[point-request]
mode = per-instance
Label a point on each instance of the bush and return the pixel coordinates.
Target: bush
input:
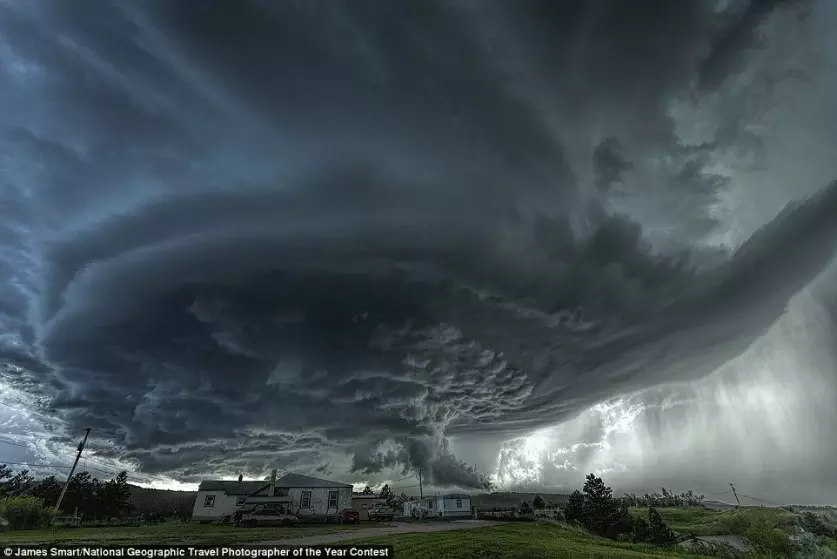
(640, 532)
(814, 524)
(761, 530)
(24, 513)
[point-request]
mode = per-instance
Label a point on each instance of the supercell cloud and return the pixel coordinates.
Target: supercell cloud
(337, 236)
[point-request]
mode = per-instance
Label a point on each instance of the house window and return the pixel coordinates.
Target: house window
(305, 501)
(459, 503)
(333, 497)
(239, 501)
(209, 501)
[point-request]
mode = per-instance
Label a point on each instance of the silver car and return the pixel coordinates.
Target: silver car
(268, 517)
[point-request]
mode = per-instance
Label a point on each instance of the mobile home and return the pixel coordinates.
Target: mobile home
(449, 505)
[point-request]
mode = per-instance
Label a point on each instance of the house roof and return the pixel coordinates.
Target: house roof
(307, 482)
(285, 482)
(232, 487)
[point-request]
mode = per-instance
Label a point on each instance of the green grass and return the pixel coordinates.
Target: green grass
(761, 526)
(170, 534)
(519, 540)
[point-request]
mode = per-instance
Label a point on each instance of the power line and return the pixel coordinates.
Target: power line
(14, 443)
(85, 465)
(761, 500)
(115, 469)
(111, 472)
(34, 465)
(27, 412)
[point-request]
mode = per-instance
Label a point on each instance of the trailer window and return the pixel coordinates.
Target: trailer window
(209, 501)
(459, 503)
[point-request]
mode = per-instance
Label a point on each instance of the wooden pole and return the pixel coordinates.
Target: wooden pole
(72, 470)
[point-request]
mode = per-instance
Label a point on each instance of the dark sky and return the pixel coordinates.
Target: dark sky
(359, 238)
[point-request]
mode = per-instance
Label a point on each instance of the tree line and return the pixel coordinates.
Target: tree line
(665, 499)
(90, 497)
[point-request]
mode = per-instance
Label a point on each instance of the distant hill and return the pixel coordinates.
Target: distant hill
(507, 500)
(162, 501)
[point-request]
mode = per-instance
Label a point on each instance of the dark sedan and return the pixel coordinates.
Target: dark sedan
(349, 516)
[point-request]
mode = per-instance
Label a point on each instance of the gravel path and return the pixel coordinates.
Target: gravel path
(393, 528)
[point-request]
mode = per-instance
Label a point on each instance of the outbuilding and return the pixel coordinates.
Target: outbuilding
(362, 502)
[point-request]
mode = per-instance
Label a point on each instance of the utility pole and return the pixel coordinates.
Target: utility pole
(421, 492)
(72, 470)
(736, 494)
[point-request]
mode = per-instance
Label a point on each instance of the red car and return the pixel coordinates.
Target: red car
(349, 516)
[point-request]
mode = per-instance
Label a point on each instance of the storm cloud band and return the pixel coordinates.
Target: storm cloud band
(351, 230)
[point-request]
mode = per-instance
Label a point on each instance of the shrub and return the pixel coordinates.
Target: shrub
(814, 524)
(807, 547)
(640, 531)
(24, 513)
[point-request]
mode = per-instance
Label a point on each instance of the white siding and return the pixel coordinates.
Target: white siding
(448, 507)
(223, 504)
(318, 505)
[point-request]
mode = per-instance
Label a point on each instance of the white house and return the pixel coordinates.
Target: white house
(307, 497)
(450, 505)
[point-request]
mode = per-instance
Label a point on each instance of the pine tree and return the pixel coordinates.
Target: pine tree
(387, 495)
(538, 503)
(597, 504)
(660, 533)
(574, 509)
(48, 489)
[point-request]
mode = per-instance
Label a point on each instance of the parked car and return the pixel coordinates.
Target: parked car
(381, 512)
(349, 516)
(268, 517)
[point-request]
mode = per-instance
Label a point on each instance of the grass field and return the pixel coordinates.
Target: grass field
(515, 541)
(763, 527)
(171, 534)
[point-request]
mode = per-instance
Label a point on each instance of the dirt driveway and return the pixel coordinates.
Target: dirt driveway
(392, 528)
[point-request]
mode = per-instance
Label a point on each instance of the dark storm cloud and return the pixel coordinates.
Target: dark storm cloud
(740, 32)
(275, 234)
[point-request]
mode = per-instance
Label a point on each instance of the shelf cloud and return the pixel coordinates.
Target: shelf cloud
(349, 237)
